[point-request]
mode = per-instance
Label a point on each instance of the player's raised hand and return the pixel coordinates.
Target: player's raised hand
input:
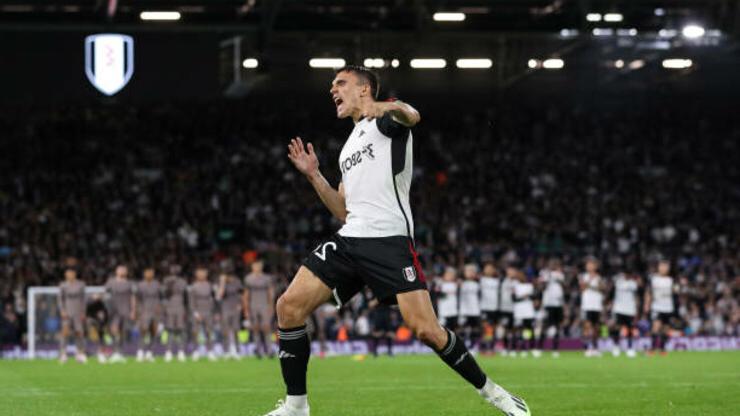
(304, 159)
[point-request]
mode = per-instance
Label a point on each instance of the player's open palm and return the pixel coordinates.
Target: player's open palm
(305, 160)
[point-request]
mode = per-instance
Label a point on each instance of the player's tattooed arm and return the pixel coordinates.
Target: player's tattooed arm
(401, 112)
(305, 160)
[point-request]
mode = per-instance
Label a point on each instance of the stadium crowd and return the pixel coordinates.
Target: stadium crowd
(208, 184)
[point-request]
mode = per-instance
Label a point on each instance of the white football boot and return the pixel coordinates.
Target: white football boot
(212, 356)
(631, 353)
(149, 357)
(81, 358)
(282, 408)
(140, 356)
(168, 356)
(102, 359)
(504, 401)
(181, 356)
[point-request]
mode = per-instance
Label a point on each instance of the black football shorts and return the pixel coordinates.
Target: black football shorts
(388, 265)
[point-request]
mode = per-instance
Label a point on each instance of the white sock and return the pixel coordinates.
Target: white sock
(488, 389)
(298, 402)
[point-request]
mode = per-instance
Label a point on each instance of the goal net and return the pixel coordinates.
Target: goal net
(44, 321)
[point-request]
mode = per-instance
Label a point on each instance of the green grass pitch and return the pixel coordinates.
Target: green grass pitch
(682, 383)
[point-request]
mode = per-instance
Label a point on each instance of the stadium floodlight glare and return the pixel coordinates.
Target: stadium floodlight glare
(613, 17)
(619, 64)
(593, 17)
(395, 63)
(533, 63)
(474, 63)
(326, 62)
(374, 62)
(159, 15)
(250, 63)
(449, 17)
(568, 33)
(693, 31)
(553, 63)
(667, 33)
(627, 32)
(677, 63)
(435, 63)
(599, 31)
(636, 64)
(659, 11)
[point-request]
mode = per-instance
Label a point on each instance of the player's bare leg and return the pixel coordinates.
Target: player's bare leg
(63, 336)
(418, 314)
(305, 293)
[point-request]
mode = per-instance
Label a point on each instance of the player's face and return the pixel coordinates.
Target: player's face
(201, 275)
(122, 272)
(257, 267)
(511, 272)
(70, 275)
(149, 274)
(346, 92)
(470, 273)
(489, 270)
(449, 276)
(591, 266)
(664, 268)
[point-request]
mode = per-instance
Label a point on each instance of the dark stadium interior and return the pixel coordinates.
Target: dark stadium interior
(187, 165)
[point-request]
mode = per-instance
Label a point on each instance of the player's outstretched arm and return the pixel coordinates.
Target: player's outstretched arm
(307, 163)
(401, 112)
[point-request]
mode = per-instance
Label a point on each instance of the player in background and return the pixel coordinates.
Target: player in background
(201, 305)
(659, 304)
(121, 309)
(506, 309)
(383, 326)
(174, 290)
(97, 321)
(624, 311)
(524, 314)
(72, 308)
(149, 311)
(552, 281)
(447, 299)
(592, 305)
(259, 308)
(489, 287)
(229, 294)
(470, 310)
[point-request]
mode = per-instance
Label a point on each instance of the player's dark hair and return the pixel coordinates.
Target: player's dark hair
(365, 75)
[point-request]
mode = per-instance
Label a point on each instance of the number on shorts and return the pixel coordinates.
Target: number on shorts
(322, 254)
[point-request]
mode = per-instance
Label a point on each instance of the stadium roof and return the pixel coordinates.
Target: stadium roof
(369, 15)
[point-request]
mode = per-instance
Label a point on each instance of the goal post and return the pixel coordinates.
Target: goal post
(43, 312)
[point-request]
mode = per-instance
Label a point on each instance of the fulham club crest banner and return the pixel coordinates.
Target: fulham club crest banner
(109, 61)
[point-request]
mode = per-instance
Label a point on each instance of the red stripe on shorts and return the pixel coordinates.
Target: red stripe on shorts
(417, 265)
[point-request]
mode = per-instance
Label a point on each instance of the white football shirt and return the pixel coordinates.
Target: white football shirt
(447, 302)
(506, 303)
(489, 287)
(470, 298)
(376, 163)
(625, 296)
(523, 307)
(662, 291)
(591, 298)
(553, 296)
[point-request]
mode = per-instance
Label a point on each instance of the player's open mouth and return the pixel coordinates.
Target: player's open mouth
(338, 102)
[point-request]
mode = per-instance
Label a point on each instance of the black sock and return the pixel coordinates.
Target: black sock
(295, 349)
(457, 356)
(390, 345)
(663, 341)
(556, 340)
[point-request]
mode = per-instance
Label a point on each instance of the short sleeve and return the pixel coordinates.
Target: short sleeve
(391, 128)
